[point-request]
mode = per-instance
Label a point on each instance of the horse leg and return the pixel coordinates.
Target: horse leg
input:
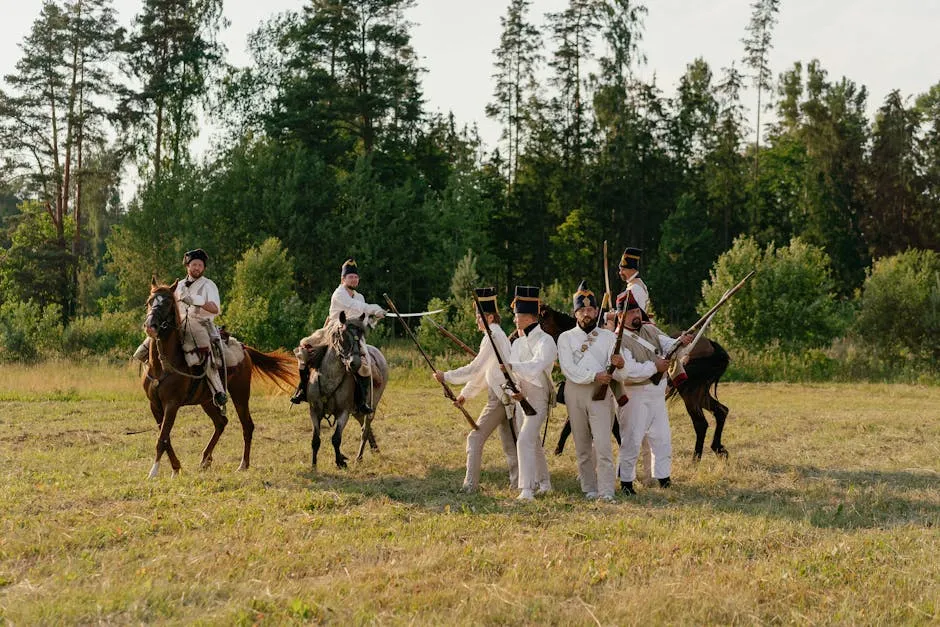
(563, 437)
(692, 396)
(218, 421)
(371, 434)
(315, 441)
(362, 437)
(337, 438)
(248, 429)
(720, 412)
(163, 442)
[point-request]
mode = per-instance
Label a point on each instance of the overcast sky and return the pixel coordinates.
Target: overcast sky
(882, 45)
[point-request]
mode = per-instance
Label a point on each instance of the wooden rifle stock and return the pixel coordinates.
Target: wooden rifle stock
(453, 338)
(524, 403)
(447, 391)
(601, 391)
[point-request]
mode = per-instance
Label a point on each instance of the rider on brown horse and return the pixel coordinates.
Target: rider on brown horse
(198, 301)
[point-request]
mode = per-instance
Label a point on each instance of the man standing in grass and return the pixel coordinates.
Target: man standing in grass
(531, 361)
(484, 373)
(583, 354)
(645, 415)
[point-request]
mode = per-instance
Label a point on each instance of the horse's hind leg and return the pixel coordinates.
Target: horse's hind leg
(163, 443)
(248, 429)
(563, 437)
(721, 413)
(218, 421)
(364, 421)
(693, 397)
(337, 438)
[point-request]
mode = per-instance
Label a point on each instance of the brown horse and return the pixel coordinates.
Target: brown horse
(707, 363)
(170, 384)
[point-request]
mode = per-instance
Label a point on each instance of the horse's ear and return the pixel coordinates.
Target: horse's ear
(173, 287)
(153, 280)
(342, 317)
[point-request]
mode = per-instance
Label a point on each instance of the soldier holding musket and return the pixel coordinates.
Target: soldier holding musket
(531, 361)
(584, 353)
(645, 415)
(484, 373)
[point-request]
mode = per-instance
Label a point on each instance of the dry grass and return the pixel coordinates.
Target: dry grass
(827, 512)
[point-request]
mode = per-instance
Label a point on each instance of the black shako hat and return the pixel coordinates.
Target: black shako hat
(487, 298)
(196, 254)
(584, 297)
(349, 267)
(631, 258)
(632, 304)
(526, 300)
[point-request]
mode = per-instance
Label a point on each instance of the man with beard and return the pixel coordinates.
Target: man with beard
(645, 415)
(583, 354)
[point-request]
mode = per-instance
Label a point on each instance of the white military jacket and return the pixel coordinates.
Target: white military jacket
(582, 355)
(640, 293)
(484, 370)
(532, 358)
(354, 305)
(201, 291)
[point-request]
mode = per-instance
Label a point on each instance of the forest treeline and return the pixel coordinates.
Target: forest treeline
(326, 149)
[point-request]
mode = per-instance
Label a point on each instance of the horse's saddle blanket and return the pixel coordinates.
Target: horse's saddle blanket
(234, 351)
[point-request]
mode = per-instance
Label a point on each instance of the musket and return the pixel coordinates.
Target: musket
(447, 391)
(601, 391)
(453, 338)
(524, 403)
(701, 323)
(608, 296)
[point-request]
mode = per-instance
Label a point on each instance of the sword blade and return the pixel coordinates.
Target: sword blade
(413, 315)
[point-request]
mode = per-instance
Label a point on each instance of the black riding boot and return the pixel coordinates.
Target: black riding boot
(627, 488)
(301, 394)
(362, 394)
(665, 482)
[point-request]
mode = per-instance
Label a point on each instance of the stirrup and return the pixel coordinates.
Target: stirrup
(299, 396)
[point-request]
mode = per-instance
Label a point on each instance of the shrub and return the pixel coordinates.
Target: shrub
(264, 311)
(28, 332)
(899, 306)
(114, 335)
(789, 303)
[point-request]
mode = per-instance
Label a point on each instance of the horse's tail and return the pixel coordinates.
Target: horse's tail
(277, 366)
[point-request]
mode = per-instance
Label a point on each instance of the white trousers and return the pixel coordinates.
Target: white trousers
(591, 422)
(645, 416)
(197, 334)
(492, 417)
(533, 467)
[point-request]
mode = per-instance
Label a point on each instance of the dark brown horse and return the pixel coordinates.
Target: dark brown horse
(170, 384)
(707, 363)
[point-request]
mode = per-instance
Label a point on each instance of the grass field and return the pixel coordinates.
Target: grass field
(828, 511)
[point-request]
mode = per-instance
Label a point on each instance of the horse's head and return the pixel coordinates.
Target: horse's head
(162, 315)
(554, 322)
(352, 332)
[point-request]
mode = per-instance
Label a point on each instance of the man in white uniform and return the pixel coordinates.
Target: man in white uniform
(645, 415)
(197, 298)
(584, 353)
(346, 300)
(483, 374)
(531, 361)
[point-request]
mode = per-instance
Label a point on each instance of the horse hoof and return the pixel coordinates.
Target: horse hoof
(176, 472)
(722, 453)
(242, 467)
(559, 451)
(696, 457)
(154, 470)
(341, 463)
(205, 465)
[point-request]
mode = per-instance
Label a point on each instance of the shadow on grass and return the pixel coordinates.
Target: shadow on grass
(823, 498)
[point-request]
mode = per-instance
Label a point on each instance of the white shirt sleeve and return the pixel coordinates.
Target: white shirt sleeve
(474, 373)
(633, 371)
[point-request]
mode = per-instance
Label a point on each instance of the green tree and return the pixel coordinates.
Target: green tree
(790, 302)
(263, 308)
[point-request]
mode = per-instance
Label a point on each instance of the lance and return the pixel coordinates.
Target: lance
(447, 391)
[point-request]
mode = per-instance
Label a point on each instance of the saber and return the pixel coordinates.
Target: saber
(608, 296)
(413, 315)
(447, 391)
